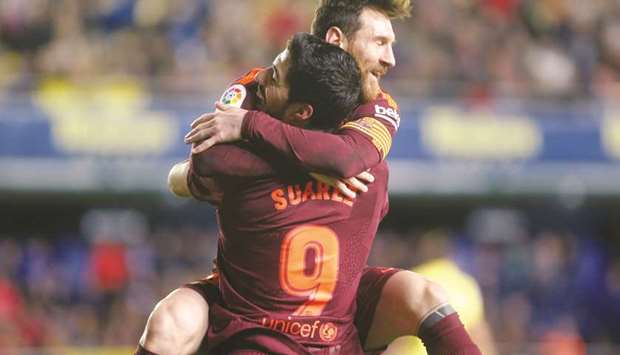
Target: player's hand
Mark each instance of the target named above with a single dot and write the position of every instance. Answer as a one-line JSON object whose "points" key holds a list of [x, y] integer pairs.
{"points": [[360, 182], [220, 126], [347, 187]]}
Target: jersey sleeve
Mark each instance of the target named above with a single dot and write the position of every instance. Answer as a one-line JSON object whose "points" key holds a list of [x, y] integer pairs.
{"points": [[229, 160], [385, 209], [212, 170], [378, 121], [360, 144], [240, 93], [226, 160], [204, 188]]}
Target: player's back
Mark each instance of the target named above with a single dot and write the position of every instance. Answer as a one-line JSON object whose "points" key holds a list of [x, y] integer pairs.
{"points": [[292, 251]]}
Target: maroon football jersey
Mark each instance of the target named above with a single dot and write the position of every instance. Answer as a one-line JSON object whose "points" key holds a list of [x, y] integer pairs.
{"points": [[291, 249], [361, 143]]}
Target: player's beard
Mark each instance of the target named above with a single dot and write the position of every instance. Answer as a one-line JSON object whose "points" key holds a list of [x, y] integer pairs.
{"points": [[262, 104], [370, 86], [260, 97]]}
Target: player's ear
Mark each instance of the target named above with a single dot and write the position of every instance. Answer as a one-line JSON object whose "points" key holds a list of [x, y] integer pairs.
{"points": [[334, 35], [298, 114], [303, 112]]}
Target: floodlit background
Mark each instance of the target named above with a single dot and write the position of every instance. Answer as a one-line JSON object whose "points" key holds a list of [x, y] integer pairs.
{"points": [[506, 159]]}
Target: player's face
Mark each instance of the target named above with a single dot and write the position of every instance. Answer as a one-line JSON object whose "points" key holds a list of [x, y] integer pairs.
{"points": [[372, 45], [273, 88]]}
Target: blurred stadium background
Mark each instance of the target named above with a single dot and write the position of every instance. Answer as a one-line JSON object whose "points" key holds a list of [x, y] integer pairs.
{"points": [[509, 146]]}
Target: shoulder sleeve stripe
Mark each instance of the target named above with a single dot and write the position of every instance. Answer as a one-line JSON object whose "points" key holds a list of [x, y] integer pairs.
{"points": [[380, 135], [371, 127], [385, 140]]}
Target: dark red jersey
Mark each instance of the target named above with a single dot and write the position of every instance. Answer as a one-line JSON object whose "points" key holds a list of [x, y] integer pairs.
{"points": [[292, 250], [361, 143]]}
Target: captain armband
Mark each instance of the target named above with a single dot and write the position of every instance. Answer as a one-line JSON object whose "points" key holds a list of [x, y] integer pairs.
{"points": [[374, 129]]}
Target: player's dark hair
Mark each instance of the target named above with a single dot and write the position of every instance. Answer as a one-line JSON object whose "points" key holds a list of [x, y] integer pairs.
{"points": [[345, 14], [324, 76]]}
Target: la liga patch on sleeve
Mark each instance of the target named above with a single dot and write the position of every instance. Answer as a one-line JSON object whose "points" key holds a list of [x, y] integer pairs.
{"points": [[234, 96]]}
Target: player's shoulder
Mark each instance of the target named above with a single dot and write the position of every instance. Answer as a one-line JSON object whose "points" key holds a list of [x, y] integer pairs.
{"points": [[385, 97], [249, 77], [239, 94], [383, 107]]}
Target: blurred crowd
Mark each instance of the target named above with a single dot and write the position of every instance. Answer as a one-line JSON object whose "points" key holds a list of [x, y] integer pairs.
{"points": [[474, 50], [546, 292], [96, 288], [181, 46]]}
